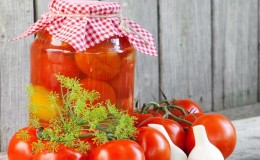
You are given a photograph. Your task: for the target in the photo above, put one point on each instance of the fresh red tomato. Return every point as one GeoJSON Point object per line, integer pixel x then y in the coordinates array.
{"type": "Point", "coordinates": [187, 104]}
{"type": "Point", "coordinates": [155, 113]}
{"type": "Point", "coordinates": [89, 140]}
{"type": "Point", "coordinates": [105, 90]}
{"type": "Point", "coordinates": [54, 63]}
{"type": "Point", "coordinates": [174, 129]}
{"type": "Point", "coordinates": [20, 146]}
{"type": "Point", "coordinates": [63, 153]}
{"type": "Point", "coordinates": [118, 149]}
{"type": "Point", "coordinates": [140, 118]}
{"type": "Point", "coordinates": [154, 144]}
{"type": "Point", "coordinates": [143, 116]}
{"type": "Point", "coordinates": [220, 132]}
{"type": "Point", "coordinates": [101, 65]}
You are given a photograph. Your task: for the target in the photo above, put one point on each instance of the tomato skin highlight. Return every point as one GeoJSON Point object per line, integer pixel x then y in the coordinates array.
{"type": "Point", "coordinates": [118, 149]}
{"type": "Point", "coordinates": [19, 149]}
{"type": "Point", "coordinates": [220, 132]}
{"type": "Point", "coordinates": [154, 144]}
{"type": "Point", "coordinates": [174, 129]}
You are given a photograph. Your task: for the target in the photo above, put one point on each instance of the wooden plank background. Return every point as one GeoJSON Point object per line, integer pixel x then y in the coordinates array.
{"type": "Point", "coordinates": [185, 55]}
{"type": "Point", "coordinates": [235, 53]}
{"type": "Point", "coordinates": [15, 16]}
{"type": "Point", "coordinates": [208, 51]}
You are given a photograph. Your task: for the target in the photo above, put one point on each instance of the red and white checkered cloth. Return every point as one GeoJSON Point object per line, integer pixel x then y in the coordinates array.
{"type": "Point", "coordinates": [84, 24]}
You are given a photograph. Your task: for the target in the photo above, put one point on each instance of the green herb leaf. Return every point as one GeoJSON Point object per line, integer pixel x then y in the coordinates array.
{"type": "Point", "coordinates": [80, 117]}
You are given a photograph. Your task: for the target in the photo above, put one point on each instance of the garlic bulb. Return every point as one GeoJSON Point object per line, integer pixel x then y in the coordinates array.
{"type": "Point", "coordinates": [203, 149]}
{"type": "Point", "coordinates": [176, 152]}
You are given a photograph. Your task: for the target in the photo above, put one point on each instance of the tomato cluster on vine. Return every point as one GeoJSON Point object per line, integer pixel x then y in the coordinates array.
{"type": "Point", "coordinates": [176, 116]}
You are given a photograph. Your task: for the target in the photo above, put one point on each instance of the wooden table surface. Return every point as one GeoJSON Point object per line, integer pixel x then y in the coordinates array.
{"type": "Point", "coordinates": [248, 144]}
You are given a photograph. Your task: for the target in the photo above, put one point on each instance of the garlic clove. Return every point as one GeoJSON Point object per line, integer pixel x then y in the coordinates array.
{"type": "Point", "coordinates": [203, 149]}
{"type": "Point", "coordinates": [176, 152]}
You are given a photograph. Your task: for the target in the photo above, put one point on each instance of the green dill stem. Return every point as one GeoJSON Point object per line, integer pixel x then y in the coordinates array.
{"type": "Point", "coordinates": [61, 115]}
{"type": "Point", "coordinates": [67, 105]}
{"type": "Point", "coordinates": [62, 95]}
{"type": "Point", "coordinates": [86, 135]}
{"type": "Point", "coordinates": [63, 101]}
{"type": "Point", "coordinates": [81, 123]}
{"type": "Point", "coordinates": [102, 129]}
{"type": "Point", "coordinates": [111, 137]}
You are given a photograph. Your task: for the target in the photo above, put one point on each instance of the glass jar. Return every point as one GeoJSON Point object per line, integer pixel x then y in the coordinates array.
{"type": "Point", "coordinates": [107, 68]}
{"type": "Point", "coordinates": [93, 43]}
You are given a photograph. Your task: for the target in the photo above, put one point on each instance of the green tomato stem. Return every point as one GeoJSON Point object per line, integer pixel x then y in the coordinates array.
{"type": "Point", "coordinates": [165, 106]}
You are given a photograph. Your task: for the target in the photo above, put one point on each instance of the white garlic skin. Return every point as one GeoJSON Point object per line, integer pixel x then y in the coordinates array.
{"type": "Point", "coordinates": [203, 149]}
{"type": "Point", "coordinates": [176, 152]}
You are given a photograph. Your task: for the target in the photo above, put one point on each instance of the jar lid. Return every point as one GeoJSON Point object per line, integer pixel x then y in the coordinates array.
{"type": "Point", "coordinates": [84, 24]}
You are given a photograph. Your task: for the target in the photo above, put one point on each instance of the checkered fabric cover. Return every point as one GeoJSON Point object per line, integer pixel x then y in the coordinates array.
{"type": "Point", "coordinates": [83, 28]}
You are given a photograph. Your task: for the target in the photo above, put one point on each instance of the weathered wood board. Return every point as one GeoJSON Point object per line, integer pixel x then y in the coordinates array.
{"type": "Point", "coordinates": [235, 53]}
{"type": "Point", "coordinates": [248, 139]}
{"type": "Point", "coordinates": [185, 50]}
{"type": "Point", "coordinates": [40, 6]}
{"type": "Point", "coordinates": [15, 17]}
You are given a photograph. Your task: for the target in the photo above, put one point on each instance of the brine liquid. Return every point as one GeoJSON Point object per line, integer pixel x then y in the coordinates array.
{"type": "Point", "coordinates": [107, 68]}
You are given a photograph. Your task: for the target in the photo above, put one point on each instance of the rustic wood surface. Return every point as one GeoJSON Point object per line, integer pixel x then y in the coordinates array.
{"type": "Point", "coordinates": [185, 42]}
{"type": "Point", "coordinates": [258, 40]}
{"type": "Point", "coordinates": [41, 6]}
{"type": "Point", "coordinates": [248, 143]}
{"type": "Point", "coordinates": [15, 16]}
{"type": "Point", "coordinates": [235, 53]}
{"type": "Point", "coordinates": [242, 112]}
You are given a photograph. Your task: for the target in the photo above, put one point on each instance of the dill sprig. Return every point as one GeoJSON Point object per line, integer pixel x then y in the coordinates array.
{"type": "Point", "coordinates": [23, 135]}
{"type": "Point", "coordinates": [78, 117]}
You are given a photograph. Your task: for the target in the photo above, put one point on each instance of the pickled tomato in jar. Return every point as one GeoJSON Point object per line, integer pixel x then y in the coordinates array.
{"type": "Point", "coordinates": [107, 68]}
